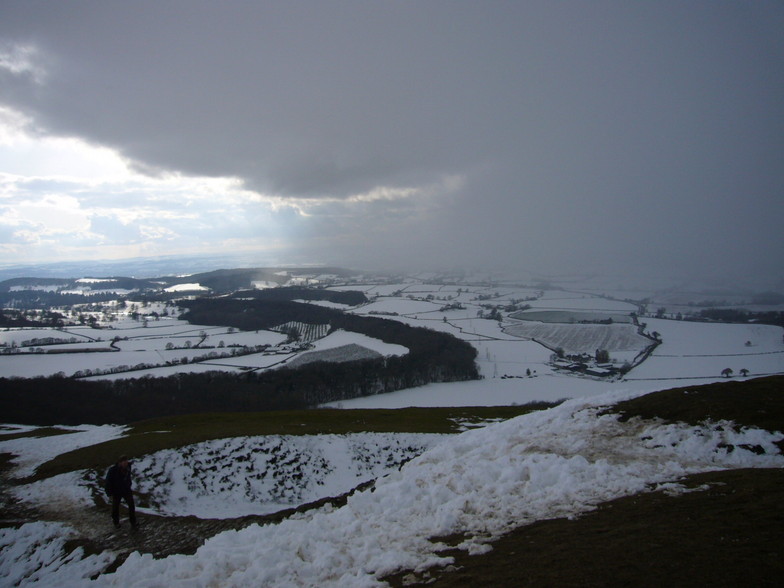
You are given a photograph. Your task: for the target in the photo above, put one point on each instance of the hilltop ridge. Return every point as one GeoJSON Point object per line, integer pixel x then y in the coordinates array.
{"type": "Point", "coordinates": [623, 488]}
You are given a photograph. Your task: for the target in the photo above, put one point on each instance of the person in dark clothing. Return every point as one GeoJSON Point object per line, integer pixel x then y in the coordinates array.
{"type": "Point", "coordinates": [118, 487]}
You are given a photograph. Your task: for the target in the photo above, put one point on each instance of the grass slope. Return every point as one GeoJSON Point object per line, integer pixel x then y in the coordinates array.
{"type": "Point", "coordinates": [728, 535]}
{"type": "Point", "coordinates": [750, 403]}
{"type": "Point", "coordinates": [729, 531]}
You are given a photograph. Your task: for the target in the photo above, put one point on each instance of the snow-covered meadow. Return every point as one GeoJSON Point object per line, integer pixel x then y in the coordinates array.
{"type": "Point", "coordinates": [690, 352]}
{"type": "Point", "coordinates": [162, 347]}
{"type": "Point", "coordinates": [507, 348]}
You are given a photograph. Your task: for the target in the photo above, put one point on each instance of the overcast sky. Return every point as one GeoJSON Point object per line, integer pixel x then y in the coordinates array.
{"type": "Point", "coordinates": [369, 134]}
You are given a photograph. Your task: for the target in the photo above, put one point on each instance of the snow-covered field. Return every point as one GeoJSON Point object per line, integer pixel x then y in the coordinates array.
{"type": "Point", "coordinates": [579, 338]}
{"type": "Point", "coordinates": [703, 350]}
{"type": "Point", "coordinates": [555, 463]}
{"type": "Point", "coordinates": [689, 350]}
{"type": "Point", "coordinates": [339, 338]}
{"type": "Point", "coordinates": [578, 301]}
{"type": "Point", "coordinates": [162, 348]}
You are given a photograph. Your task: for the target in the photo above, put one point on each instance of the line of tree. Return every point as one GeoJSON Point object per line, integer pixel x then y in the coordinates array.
{"type": "Point", "coordinates": [432, 357]}
{"type": "Point", "coordinates": [454, 356]}
{"type": "Point", "coordinates": [67, 401]}
{"type": "Point", "coordinates": [739, 315]}
{"type": "Point", "coordinates": [17, 318]}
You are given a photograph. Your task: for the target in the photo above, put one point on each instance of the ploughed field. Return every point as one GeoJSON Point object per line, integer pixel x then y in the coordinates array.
{"type": "Point", "coordinates": [577, 338]}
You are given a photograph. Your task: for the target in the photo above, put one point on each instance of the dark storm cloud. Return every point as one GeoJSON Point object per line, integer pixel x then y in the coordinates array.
{"type": "Point", "coordinates": [610, 132]}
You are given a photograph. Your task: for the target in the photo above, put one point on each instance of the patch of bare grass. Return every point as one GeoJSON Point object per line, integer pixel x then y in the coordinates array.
{"type": "Point", "coordinates": [750, 403]}
{"type": "Point", "coordinates": [727, 531]}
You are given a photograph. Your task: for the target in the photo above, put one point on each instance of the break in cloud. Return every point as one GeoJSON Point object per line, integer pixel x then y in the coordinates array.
{"type": "Point", "coordinates": [532, 134]}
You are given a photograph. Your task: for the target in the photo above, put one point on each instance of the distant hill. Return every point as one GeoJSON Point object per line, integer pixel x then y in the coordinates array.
{"type": "Point", "coordinates": [37, 292]}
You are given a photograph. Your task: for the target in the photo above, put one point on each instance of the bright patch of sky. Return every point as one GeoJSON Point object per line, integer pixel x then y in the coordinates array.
{"type": "Point", "coordinates": [22, 60]}
{"type": "Point", "coordinates": [64, 198]}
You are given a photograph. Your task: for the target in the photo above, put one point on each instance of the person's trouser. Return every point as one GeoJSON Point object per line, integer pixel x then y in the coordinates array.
{"type": "Point", "coordinates": [116, 498]}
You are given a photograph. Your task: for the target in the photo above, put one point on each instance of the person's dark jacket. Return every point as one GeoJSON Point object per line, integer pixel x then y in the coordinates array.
{"type": "Point", "coordinates": [118, 481]}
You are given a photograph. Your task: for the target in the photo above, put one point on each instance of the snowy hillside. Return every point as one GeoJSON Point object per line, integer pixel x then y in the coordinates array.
{"type": "Point", "coordinates": [556, 463]}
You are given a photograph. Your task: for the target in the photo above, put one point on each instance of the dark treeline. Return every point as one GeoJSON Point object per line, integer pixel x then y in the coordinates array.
{"type": "Point", "coordinates": [252, 315]}
{"type": "Point", "coordinates": [425, 345]}
{"type": "Point", "coordinates": [230, 280]}
{"type": "Point", "coordinates": [8, 285]}
{"type": "Point", "coordinates": [738, 315]}
{"type": "Point", "coordinates": [66, 401]}
{"type": "Point", "coordinates": [348, 297]}
{"type": "Point", "coordinates": [432, 357]}
{"type": "Point", "coordinates": [16, 318]}
{"type": "Point", "coordinates": [123, 282]}
{"type": "Point", "coordinates": [32, 298]}
{"type": "Point", "coordinates": [226, 280]}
